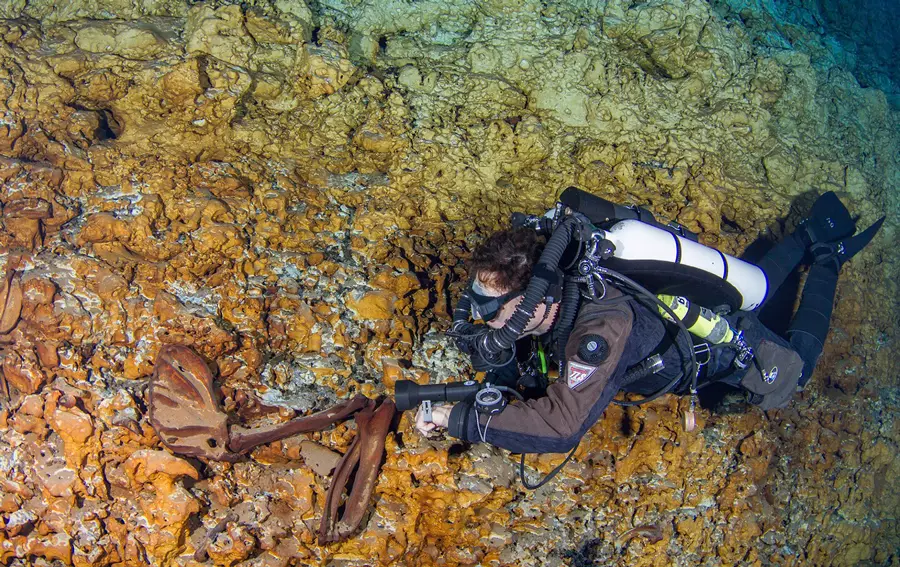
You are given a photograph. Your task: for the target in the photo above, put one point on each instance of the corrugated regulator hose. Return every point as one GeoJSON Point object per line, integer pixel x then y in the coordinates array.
{"type": "Point", "coordinates": [568, 312]}
{"type": "Point", "coordinates": [499, 340]}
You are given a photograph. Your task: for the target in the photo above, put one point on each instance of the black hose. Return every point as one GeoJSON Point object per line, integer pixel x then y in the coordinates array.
{"type": "Point", "coordinates": [568, 312]}
{"type": "Point", "coordinates": [499, 340]}
{"type": "Point", "coordinates": [664, 390]}
{"type": "Point", "coordinates": [461, 312]}
{"type": "Point", "coordinates": [550, 474]}
{"type": "Point", "coordinates": [510, 391]}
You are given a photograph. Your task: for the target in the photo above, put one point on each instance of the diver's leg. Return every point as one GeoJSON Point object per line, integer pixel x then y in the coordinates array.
{"type": "Point", "coordinates": [811, 322]}
{"type": "Point", "coordinates": [780, 261]}
{"type": "Point", "coordinates": [828, 221]}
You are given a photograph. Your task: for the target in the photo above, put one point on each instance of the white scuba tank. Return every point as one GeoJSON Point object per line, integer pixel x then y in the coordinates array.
{"type": "Point", "coordinates": [635, 240]}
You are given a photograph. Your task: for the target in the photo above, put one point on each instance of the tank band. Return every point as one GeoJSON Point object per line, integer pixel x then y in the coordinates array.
{"type": "Point", "coordinates": [724, 263]}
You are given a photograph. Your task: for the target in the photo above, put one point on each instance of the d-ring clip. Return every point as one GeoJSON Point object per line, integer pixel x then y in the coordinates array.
{"type": "Point", "coordinates": [701, 349]}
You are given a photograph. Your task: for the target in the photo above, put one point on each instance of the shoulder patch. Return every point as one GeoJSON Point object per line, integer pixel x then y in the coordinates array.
{"type": "Point", "coordinates": [577, 373]}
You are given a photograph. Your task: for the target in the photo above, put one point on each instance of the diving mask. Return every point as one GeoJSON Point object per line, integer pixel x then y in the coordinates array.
{"type": "Point", "coordinates": [486, 306]}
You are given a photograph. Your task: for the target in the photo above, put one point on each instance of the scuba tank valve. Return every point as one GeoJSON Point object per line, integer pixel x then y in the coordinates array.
{"type": "Point", "coordinates": [700, 321]}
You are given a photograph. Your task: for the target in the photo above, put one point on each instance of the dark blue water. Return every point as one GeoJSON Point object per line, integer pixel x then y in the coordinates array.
{"type": "Point", "coordinates": [871, 28]}
{"type": "Point", "coordinates": [861, 35]}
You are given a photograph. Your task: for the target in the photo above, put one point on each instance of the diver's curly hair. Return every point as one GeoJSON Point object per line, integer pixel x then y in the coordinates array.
{"type": "Point", "coordinates": [510, 255]}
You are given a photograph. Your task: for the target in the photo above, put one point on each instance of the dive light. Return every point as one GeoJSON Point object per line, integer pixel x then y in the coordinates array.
{"type": "Point", "coordinates": [488, 398]}
{"type": "Point", "coordinates": [408, 394]}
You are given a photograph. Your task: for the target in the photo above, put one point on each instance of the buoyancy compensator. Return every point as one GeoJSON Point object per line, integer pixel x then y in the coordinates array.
{"type": "Point", "coordinates": [576, 250]}
{"type": "Point", "coordinates": [586, 248]}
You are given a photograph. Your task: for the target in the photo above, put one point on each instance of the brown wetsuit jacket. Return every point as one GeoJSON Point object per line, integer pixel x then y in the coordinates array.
{"type": "Point", "coordinates": [555, 423]}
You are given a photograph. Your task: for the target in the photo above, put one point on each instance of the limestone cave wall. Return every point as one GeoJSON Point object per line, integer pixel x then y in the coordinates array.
{"type": "Point", "coordinates": [292, 189]}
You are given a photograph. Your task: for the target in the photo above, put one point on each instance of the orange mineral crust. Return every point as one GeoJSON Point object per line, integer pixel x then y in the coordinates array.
{"type": "Point", "coordinates": [270, 205]}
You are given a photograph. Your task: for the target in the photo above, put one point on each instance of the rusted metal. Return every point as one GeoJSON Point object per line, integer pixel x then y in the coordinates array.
{"type": "Point", "coordinates": [184, 409]}
{"type": "Point", "coordinates": [244, 439]}
{"type": "Point", "coordinates": [186, 415]}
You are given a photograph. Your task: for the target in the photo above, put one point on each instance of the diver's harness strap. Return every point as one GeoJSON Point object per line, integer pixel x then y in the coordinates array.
{"type": "Point", "coordinates": [744, 356]}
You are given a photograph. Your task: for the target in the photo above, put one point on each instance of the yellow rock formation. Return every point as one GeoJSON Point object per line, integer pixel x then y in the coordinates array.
{"type": "Point", "coordinates": [292, 189]}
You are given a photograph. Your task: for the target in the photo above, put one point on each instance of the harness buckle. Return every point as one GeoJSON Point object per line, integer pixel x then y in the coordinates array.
{"type": "Point", "coordinates": [426, 411]}
{"type": "Point", "coordinates": [700, 349]}
{"type": "Point", "coordinates": [744, 351]}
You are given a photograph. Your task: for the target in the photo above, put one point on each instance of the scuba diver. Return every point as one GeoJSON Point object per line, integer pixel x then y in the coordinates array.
{"type": "Point", "coordinates": [582, 302]}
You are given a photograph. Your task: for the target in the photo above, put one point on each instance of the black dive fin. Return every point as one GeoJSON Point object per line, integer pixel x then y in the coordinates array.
{"type": "Point", "coordinates": [828, 221]}
{"type": "Point", "coordinates": [853, 245]}
{"type": "Point", "coordinates": [847, 248]}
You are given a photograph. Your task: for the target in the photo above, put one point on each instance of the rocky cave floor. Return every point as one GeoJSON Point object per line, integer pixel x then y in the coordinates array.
{"type": "Point", "coordinates": [293, 192]}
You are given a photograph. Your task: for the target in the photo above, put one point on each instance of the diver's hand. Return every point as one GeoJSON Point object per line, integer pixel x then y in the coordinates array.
{"type": "Point", "coordinates": [440, 417]}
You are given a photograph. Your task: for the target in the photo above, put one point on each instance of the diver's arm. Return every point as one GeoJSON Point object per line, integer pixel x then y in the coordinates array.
{"type": "Point", "coordinates": [555, 422]}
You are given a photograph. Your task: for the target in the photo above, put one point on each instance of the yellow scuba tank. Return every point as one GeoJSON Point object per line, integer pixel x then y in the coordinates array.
{"type": "Point", "coordinates": [700, 321]}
